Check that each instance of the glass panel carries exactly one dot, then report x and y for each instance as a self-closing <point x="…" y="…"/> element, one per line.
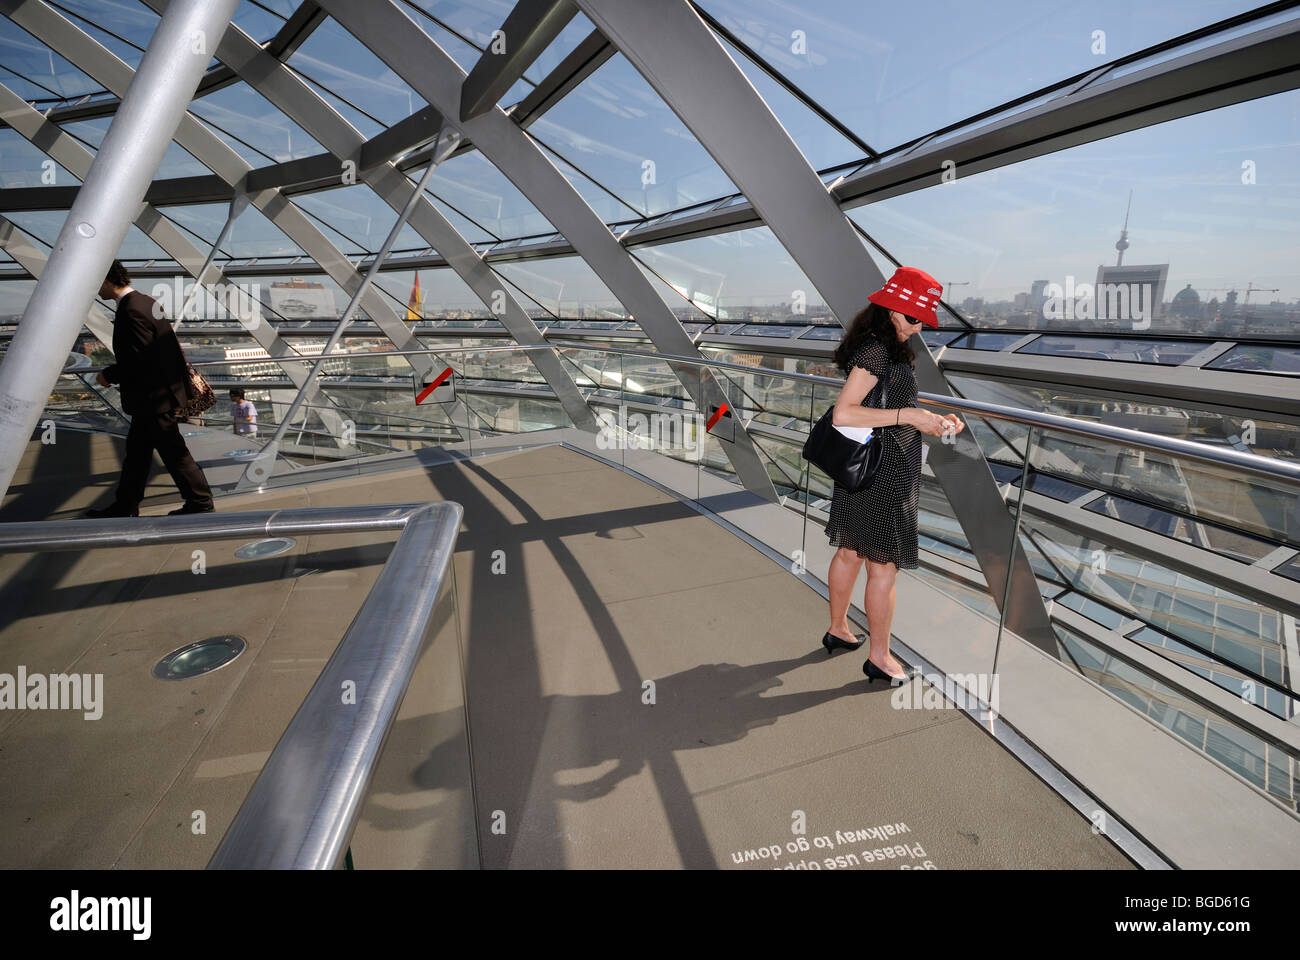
<point x="340" y="63"/>
<point x="22" y="164"/>
<point x="251" y="235"/>
<point x="45" y="225"/>
<point x="1166" y="706"/>
<point x="565" y="287"/>
<point x="260" y="23"/>
<point x="1210" y="618"/>
<point x="1026" y="245"/>
<point x="1151" y="415"/>
<point x="359" y="214"/>
<point x="1166" y="352"/>
<point x="479" y="191"/>
<point x="986" y="341"/>
<point x="617" y="129"/>
<point x="442" y="295"/>
<point x="1259" y="359"/>
<point x="34" y="72"/>
<point x="860" y="63"/>
<point x="176" y="162"/>
<point x="241" y="112"/>
<point x="824" y="333"/>
<point x="822" y="145"/>
<point x="133" y="22"/>
<point x="744" y="275"/>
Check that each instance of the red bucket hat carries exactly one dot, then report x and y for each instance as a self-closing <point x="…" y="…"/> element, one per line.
<point x="913" y="292"/>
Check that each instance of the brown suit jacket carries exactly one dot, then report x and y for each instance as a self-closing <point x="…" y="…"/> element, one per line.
<point x="150" y="368"/>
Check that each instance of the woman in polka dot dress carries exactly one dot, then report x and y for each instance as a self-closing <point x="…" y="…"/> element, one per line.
<point x="878" y="525"/>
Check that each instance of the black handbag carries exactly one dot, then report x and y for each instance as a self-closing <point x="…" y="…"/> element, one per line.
<point x="850" y="464"/>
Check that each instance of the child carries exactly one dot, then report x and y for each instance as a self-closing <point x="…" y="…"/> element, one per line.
<point x="243" y="413"/>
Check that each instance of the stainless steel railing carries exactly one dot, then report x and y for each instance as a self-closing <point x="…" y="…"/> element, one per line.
<point x="301" y="811"/>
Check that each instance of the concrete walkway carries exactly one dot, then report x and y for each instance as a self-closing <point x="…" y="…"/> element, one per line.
<point x="644" y="690"/>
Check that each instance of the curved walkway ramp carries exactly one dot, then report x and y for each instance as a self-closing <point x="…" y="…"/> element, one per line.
<point x="644" y="690"/>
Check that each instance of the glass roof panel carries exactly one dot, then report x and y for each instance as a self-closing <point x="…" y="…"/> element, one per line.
<point x="481" y="192"/>
<point x="615" y="127"/>
<point x="471" y="231"/>
<point x="365" y="124"/>
<point x="129" y="19"/>
<point x="746" y="275"/>
<point x="251" y="235"/>
<point x="565" y="287"/>
<point x="357" y="212"/>
<point x="608" y="207"/>
<point x="259" y="22"/>
<point x="33" y="71"/>
<point x="907" y="69"/>
<point x="822" y="145"/>
<point x="22" y="164"/>
<point x="999" y="240"/>
<point x="176" y="162"/>
<point x="45" y="225"/>
<point x="339" y="62"/>
<point x="242" y="112"/>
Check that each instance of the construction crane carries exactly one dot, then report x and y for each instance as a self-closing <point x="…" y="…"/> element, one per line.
<point x="1251" y="288"/>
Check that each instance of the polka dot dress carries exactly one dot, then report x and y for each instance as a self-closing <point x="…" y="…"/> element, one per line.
<point x="879" y="523"/>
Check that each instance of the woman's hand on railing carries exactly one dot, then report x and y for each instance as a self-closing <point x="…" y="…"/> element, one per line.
<point x="927" y="421"/>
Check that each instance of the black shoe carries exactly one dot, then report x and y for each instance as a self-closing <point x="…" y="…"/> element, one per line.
<point x="191" y="508"/>
<point x="833" y="643"/>
<point x="874" y="673"/>
<point x="112" y="510"/>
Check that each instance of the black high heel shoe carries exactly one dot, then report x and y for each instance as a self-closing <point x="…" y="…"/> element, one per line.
<point x="833" y="643"/>
<point x="874" y="673"/>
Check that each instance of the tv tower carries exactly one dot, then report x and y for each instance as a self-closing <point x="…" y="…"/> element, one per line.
<point x="1122" y="243"/>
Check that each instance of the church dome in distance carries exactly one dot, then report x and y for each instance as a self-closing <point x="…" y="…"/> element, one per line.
<point x="1186" y="300"/>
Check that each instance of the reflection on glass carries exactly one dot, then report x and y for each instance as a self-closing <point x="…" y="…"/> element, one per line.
<point x="1169" y="353"/>
<point x="1261" y="763"/>
<point x="1259" y="359"/>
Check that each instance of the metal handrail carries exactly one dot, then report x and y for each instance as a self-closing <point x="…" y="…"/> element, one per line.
<point x="303" y="807"/>
<point x="1226" y="457"/>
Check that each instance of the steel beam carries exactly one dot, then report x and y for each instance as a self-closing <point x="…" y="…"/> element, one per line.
<point x="678" y="55"/>
<point x="528" y="30"/>
<point x="305" y="107"/>
<point x="397" y="40"/>
<point x="98" y="221"/>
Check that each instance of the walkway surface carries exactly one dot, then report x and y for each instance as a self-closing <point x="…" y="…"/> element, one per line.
<point x="644" y="689"/>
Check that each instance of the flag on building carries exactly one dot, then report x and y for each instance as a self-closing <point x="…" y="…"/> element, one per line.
<point x="415" y="305"/>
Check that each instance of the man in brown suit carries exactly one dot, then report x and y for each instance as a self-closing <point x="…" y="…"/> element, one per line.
<point x="150" y="370"/>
